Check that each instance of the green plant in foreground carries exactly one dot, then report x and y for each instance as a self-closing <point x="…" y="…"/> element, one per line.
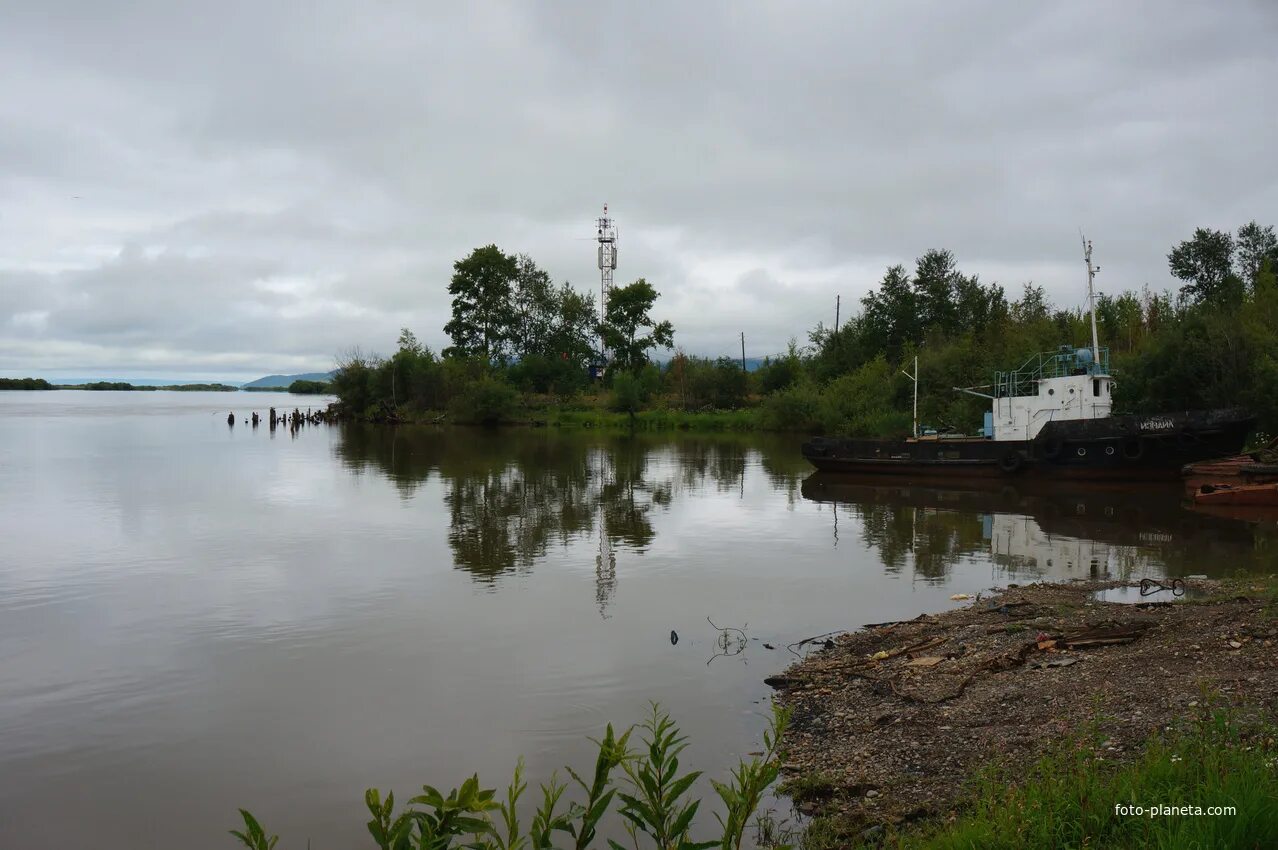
<point x="463" y="812"/>
<point x="750" y="780"/>
<point x="660" y="805"/>
<point x="599" y="793"/>
<point x="253" y="836"/>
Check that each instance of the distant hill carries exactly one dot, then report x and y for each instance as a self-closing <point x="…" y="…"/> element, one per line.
<point x="282" y="381"/>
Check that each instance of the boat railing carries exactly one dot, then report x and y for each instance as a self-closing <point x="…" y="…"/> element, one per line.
<point x="1061" y="363"/>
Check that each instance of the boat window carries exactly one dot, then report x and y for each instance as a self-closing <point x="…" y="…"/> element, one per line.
<point x="1051" y="392"/>
<point x="1095" y="386"/>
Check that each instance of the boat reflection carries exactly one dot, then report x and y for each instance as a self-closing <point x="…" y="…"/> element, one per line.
<point x="1044" y="531"/>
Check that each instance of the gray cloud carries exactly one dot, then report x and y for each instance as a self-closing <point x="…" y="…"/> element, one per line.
<point x="243" y="188"/>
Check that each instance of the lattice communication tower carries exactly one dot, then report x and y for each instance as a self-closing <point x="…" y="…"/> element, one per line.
<point x="607" y="237"/>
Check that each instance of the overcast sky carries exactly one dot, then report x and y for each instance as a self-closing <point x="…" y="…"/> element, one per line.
<point x="226" y="189"/>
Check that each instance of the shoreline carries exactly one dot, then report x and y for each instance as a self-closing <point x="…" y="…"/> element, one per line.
<point x="893" y="724"/>
<point x="588" y="417"/>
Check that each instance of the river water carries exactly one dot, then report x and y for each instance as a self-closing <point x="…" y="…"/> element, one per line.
<point x="196" y="617"/>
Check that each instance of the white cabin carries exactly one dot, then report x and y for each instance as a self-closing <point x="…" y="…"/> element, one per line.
<point x="1064" y="385"/>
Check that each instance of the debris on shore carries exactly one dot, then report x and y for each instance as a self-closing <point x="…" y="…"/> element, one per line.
<point x="891" y="722"/>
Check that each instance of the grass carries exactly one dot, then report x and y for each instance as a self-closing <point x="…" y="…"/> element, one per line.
<point x="809" y="787"/>
<point x="1072" y="796"/>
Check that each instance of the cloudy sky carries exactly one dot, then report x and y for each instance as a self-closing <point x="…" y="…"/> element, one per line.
<point x="226" y="189"/>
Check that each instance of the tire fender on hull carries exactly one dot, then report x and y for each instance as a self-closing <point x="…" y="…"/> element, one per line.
<point x="1011" y="461"/>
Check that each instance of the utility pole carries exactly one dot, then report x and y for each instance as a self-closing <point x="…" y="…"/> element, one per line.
<point x="743" y="366"/>
<point x="837" y="300"/>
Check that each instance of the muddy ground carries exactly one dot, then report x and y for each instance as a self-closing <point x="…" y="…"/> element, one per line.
<point x="891" y="722"/>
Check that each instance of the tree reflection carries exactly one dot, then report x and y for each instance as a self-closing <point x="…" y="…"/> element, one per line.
<point x="511" y="495"/>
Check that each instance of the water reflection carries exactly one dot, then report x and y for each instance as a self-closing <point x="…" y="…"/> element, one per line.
<point x="191" y="615"/>
<point x="510" y="496"/>
<point x="1048" y="531"/>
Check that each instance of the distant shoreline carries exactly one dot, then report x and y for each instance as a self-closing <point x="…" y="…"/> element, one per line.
<point x="298" y="387"/>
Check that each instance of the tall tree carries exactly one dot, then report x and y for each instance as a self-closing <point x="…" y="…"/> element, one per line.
<point x="535" y="305"/>
<point x="1033" y="305"/>
<point x="936" y="279"/>
<point x="628" y="312"/>
<point x="482" y="310"/>
<point x="408" y="342"/>
<point x="890" y="317"/>
<point x="1255" y="245"/>
<point x="1205" y="263"/>
<point x="575" y="326"/>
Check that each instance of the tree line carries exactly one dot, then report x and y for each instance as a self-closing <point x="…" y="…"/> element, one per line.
<point x="519" y="339"/>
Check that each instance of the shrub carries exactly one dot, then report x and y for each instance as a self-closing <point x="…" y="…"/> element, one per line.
<point x="796" y="408"/>
<point x="537" y="373"/>
<point x="719" y="384"/>
<point x="488" y="401"/>
<point x="782" y="373"/>
<point x="859" y="404"/>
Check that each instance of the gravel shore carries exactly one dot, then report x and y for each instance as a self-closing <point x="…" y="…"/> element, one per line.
<point x="891" y="722"/>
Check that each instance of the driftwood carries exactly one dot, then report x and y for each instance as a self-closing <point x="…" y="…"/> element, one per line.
<point x="1102" y="637"/>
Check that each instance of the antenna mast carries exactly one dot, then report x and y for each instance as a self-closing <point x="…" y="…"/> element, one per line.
<point x="1091" y="296"/>
<point x="607" y="237"/>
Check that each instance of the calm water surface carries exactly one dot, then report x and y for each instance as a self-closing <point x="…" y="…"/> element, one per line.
<point x="195" y="617"/>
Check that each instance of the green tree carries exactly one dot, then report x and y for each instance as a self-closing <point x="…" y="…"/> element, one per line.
<point x="534" y="309"/>
<point x="627" y="314"/>
<point x="1033" y="305"/>
<point x="890" y="317"/>
<point x="483" y="312"/>
<point x="408" y="343"/>
<point x="575" y="327"/>
<point x="1205" y="263"/>
<point x="1255" y="245"/>
<point x="936" y="278"/>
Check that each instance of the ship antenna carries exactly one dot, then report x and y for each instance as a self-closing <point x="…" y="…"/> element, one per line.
<point x="1091" y="296"/>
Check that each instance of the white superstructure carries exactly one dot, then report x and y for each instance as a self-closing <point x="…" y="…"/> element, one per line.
<point x="1085" y="396"/>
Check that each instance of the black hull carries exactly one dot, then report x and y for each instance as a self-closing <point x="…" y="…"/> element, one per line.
<point x="1117" y="447"/>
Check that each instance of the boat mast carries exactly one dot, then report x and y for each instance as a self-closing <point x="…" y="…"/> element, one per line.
<point x="1091" y="296"/>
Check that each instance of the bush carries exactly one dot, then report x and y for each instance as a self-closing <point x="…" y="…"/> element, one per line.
<point x="782" y="373"/>
<point x="488" y="401"/>
<point x="797" y="408"/>
<point x="537" y="373"/>
<point x="352" y="383"/>
<point x="627" y="394"/>
<point x="719" y="384"/>
<point x="860" y="404"/>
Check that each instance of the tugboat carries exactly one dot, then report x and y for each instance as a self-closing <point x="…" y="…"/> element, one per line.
<point x="1052" y="418"/>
